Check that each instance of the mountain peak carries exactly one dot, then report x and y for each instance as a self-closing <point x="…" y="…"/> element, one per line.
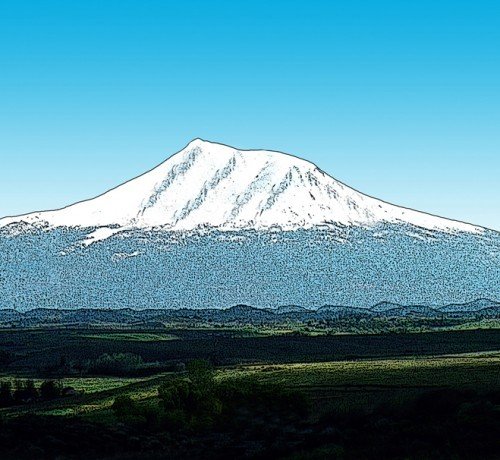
<point x="198" y="142"/>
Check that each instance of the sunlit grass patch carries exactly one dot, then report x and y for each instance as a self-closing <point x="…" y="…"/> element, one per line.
<point x="429" y="371"/>
<point x="132" y="336"/>
<point x="96" y="384"/>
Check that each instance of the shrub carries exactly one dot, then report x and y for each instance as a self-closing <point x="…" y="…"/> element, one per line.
<point x="115" y="364"/>
<point x="25" y="391"/>
<point x="139" y="415"/>
<point x="50" y="389"/>
<point x="124" y="406"/>
<point x="201" y="373"/>
<point x="251" y="393"/>
<point x="6" y="398"/>
<point x="175" y="394"/>
<point x="191" y="401"/>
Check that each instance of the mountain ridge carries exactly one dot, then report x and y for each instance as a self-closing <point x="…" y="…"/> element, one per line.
<point x="242" y="314"/>
<point x="211" y="185"/>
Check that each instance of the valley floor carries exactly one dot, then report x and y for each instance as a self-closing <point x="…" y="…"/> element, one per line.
<point x="433" y="395"/>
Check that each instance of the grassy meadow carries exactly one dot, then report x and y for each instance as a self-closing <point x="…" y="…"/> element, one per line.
<point x="312" y="392"/>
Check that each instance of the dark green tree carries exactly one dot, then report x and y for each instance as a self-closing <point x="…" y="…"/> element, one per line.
<point x="6" y="398"/>
<point x="50" y="389"/>
<point x="202" y="374"/>
<point x="124" y="406"/>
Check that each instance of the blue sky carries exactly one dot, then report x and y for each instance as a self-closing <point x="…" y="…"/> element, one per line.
<point x="398" y="99"/>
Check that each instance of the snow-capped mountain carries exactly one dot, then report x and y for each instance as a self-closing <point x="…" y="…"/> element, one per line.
<point x="216" y="186"/>
<point x="211" y="227"/>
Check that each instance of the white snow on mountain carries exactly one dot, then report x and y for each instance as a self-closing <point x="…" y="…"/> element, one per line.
<point x="212" y="185"/>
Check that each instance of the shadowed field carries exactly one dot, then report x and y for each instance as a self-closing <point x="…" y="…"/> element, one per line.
<point x="282" y="394"/>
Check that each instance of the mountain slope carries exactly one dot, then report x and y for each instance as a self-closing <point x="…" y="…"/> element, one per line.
<point x="474" y="306"/>
<point x="216" y="186"/>
<point x="202" y="230"/>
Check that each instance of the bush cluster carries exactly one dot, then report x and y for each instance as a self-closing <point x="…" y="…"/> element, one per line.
<point x="197" y="401"/>
<point x="25" y="391"/>
<point x="115" y="364"/>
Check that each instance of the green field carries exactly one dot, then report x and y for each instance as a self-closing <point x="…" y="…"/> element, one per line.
<point x="467" y="370"/>
<point x="353" y="382"/>
<point x="131" y="336"/>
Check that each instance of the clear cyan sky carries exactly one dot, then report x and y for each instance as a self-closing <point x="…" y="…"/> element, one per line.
<point x="398" y="99"/>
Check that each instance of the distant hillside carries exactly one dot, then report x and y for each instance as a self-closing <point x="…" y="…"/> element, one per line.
<point x="245" y="314"/>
